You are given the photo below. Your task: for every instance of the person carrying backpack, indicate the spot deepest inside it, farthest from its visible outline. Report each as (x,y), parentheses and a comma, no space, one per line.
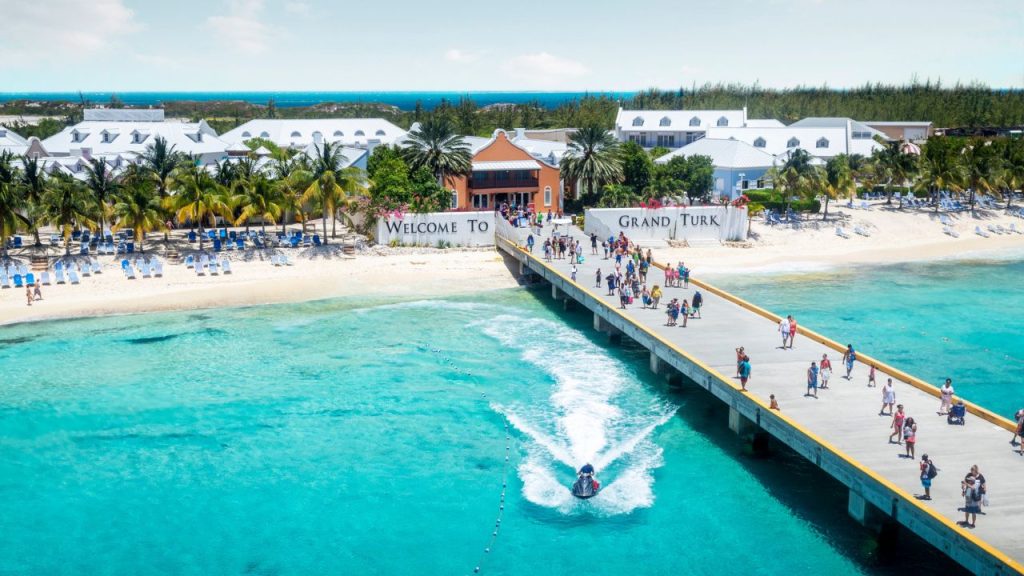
(972,500)
(928,472)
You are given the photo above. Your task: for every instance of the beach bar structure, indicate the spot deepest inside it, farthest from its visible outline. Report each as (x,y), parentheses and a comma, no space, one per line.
(841,432)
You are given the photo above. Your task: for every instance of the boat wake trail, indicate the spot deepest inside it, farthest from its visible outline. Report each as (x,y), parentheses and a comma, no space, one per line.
(595,412)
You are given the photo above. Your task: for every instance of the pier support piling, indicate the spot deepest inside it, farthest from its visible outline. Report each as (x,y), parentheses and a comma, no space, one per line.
(739,423)
(555,292)
(656,363)
(864,512)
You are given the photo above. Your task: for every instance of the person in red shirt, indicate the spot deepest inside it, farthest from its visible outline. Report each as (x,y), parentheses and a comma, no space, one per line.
(792,330)
(826,370)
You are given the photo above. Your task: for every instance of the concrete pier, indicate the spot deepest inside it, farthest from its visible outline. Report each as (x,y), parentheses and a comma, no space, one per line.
(840,431)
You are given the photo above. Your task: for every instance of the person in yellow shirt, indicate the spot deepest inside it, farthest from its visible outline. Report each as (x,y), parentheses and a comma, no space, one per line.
(655,296)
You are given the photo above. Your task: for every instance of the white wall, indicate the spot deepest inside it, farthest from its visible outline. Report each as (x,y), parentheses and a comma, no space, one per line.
(456,228)
(676,223)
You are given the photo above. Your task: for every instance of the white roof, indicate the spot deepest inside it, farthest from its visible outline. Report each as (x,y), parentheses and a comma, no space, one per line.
(675,120)
(921,123)
(548,151)
(123,115)
(506,165)
(302,132)
(262,151)
(188,138)
(723,153)
(239,147)
(836,122)
(12,142)
(777,141)
(351,154)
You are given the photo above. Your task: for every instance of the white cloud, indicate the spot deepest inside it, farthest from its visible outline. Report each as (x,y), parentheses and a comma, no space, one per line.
(544,68)
(242,29)
(296,7)
(60,29)
(456,55)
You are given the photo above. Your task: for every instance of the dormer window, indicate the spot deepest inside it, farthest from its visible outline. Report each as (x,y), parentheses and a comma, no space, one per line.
(76,136)
(264,134)
(109,136)
(822,143)
(380,133)
(139,137)
(638,121)
(759,142)
(360,133)
(793,143)
(338,134)
(694,121)
(666,121)
(723,121)
(246,134)
(296,134)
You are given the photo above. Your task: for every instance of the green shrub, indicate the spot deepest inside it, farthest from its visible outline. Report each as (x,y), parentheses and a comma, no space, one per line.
(762,196)
(812,206)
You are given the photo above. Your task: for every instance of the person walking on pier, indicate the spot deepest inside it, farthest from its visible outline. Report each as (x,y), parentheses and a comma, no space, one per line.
(529,243)
(655,296)
(888,398)
(698,302)
(739,359)
(897,425)
(947,397)
(597,278)
(871,377)
(684,311)
(849,357)
(572,274)
(744,370)
(792,331)
(1019,432)
(825,370)
(611,284)
(812,380)
(910,436)
(784,330)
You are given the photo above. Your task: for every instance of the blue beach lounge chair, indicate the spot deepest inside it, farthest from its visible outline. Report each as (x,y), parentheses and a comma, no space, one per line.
(73,275)
(17,281)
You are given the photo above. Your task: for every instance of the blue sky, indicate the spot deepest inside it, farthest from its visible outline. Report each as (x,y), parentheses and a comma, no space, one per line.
(125,45)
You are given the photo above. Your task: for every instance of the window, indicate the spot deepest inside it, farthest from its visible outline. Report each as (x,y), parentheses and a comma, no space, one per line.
(759,142)
(296,134)
(380,133)
(643,140)
(822,143)
(246,134)
(338,133)
(264,135)
(792,143)
(108,137)
(638,121)
(480,201)
(455,200)
(360,133)
(318,136)
(634,138)
(667,140)
(723,121)
(138,138)
(665,121)
(694,121)
(547,195)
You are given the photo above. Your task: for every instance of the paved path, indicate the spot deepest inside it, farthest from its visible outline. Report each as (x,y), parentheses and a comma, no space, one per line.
(847,413)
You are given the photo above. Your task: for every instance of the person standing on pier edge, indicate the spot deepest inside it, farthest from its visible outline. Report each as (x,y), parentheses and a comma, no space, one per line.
(812,380)
(947,397)
(744,372)
(897,425)
(792,331)
(972,500)
(849,357)
(1019,433)
(529,243)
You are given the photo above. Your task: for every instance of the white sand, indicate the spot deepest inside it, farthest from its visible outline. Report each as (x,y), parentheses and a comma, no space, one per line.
(258,282)
(896,236)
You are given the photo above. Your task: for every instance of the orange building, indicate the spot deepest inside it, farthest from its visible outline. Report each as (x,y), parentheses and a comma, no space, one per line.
(505,172)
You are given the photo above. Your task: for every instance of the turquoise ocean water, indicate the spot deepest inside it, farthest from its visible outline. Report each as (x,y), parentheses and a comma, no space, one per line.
(958,319)
(355,437)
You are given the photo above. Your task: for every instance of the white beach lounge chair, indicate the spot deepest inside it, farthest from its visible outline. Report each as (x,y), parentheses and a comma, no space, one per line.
(841,233)
(862,231)
(200,266)
(225,265)
(213,266)
(980,232)
(158,268)
(147,272)
(73,275)
(1013,228)
(45,278)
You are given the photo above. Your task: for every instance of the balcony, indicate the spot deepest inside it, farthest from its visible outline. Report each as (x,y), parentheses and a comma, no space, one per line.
(504,179)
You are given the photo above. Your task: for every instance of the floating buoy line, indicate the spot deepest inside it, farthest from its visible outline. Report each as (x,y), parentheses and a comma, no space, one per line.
(504,470)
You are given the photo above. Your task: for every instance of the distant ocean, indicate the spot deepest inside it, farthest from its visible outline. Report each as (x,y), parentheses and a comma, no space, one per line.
(403,100)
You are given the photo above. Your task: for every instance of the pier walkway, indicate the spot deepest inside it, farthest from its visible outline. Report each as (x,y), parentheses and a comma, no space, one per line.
(840,431)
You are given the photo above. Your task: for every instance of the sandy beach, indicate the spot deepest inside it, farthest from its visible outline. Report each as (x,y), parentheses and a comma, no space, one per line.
(896,236)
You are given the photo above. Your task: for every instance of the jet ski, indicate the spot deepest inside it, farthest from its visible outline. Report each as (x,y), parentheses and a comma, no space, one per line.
(586,486)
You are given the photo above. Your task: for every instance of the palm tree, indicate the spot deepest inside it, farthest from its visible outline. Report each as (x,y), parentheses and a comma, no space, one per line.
(258,198)
(32,183)
(290,189)
(940,168)
(983,166)
(329,183)
(895,165)
(66,203)
(435,144)
(100,181)
(1013,166)
(160,162)
(592,157)
(198,198)
(796,177)
(618,196)
(837,181)
(11,217)
(137,207)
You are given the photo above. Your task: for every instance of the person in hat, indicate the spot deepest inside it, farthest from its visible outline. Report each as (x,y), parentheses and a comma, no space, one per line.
(926,477)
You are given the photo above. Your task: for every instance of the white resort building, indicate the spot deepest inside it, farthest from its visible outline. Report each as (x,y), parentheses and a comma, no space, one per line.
(112,132)
(677,128)
(363,133)
(738,165)
(12,142)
